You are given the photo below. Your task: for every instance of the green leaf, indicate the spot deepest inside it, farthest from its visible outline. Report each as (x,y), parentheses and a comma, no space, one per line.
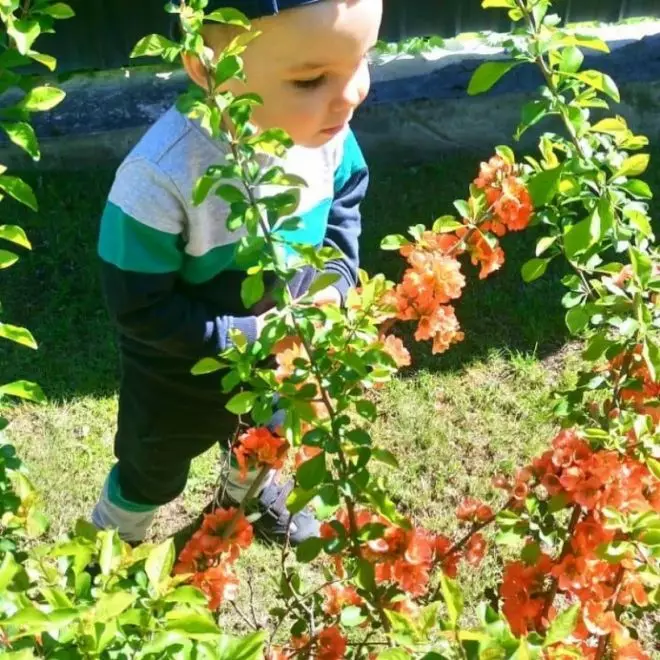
(352,617)
(586,41)
(534,269)
(563,626)
(453,598)
(46,60)
(192,624)
(231,194)
(186,594)
(241,403)
(601,82)
(8,570)
(577,320)
(19,190)
(159,563)
(229,16)
(641,264)
(571,59)
(634,166)
(24,32)
(309,550)
(227,69)
(41,99)
(7,259)
(651,538)
(446,224)
(611,126)
(18,335)
(651,354)
(385,456)
(654,466)
(112,605)
(543,186)
(15,234)
(323,281)
(58,10)
(250,647)
(299,498)
(24,390)
(578,238)
(252,289)
(400,654)
(22,134)
(110,552)
(30,619)
(153,45)
(487,75)
(207,366)
(503,4)
(394,242)
(367,410)
(312,472)
(544,244)
(162,641)
(638,189)
(202,189)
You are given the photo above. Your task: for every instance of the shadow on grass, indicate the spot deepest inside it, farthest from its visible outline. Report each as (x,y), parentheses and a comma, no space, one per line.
(54,290)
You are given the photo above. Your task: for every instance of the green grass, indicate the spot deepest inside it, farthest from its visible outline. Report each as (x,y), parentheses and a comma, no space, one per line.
(454,420)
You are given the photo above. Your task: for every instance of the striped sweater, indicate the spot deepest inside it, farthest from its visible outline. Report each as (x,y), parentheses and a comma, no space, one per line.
(168,269)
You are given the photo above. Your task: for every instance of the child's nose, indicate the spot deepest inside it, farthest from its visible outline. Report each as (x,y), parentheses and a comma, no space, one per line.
(355,91)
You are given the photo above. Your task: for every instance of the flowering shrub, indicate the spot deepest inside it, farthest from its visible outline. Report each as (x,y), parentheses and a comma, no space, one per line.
(583,519)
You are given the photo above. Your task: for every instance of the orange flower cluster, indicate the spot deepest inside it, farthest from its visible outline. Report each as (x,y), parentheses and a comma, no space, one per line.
(258,447)
(507,195)
(329,644)
(433,280)
(593,481)
(404,557)
(210,552)
(647,390)
(596,479)
(523,592)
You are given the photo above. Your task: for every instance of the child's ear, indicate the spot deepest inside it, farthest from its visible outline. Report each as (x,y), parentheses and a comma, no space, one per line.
(195,70)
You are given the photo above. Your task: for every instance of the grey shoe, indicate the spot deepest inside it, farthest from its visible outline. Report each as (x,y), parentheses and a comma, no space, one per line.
(275,519)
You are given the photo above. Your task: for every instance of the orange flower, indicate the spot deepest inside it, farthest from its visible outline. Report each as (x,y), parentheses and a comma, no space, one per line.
(471,510)
(338,596)
(523,593)
(514,206)
(331,644)
(491,171)
(396,349)
(211,540)
(601,621)
(258,447)
(448,560)
(218,583)
(489,257)
(278,653)
(476,550)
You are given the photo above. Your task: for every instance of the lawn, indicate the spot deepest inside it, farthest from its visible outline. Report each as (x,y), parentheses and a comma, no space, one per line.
(454,420)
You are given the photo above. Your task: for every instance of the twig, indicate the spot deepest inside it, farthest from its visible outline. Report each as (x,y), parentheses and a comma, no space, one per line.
(240,613)
(604,641)
(552,593)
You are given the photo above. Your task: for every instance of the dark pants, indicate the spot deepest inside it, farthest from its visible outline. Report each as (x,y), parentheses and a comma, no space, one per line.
(166,418)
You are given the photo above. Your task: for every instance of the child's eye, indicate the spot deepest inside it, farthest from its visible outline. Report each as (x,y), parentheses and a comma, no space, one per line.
(312,83)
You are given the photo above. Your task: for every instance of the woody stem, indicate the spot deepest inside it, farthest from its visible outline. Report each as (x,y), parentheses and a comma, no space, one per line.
(552,592)
(604,641)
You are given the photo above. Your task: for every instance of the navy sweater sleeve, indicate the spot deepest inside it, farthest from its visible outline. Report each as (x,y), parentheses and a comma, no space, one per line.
(345,220)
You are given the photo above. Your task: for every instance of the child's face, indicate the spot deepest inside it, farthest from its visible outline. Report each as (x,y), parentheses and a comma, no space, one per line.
(310,67)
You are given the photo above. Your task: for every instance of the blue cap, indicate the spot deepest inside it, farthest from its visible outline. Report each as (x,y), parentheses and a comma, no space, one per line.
(259,8)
